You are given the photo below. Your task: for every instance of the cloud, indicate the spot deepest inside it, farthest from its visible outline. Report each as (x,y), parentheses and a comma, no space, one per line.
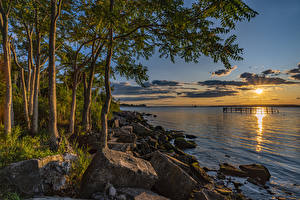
(222,83)
(271,72)
(275,99)
(295,70)
(125,88)
(247,75)
(298,98)
(255,79)
(150,98)
(165,83)
(210,94)
(223,72)
(296,77)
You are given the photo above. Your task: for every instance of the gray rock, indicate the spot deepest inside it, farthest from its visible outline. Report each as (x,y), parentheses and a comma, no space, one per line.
(118,168)
(141,130)
(141,194)
(173,182)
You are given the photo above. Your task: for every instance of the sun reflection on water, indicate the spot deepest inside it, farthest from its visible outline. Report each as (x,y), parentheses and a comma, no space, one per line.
(260,114)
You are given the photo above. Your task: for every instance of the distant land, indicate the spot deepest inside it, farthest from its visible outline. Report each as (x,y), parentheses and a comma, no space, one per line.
(252,105)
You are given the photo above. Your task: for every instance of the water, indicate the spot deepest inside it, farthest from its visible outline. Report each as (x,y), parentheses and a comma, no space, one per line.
(269,139)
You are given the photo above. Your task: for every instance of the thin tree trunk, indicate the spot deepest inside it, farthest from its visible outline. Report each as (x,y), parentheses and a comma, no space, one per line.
(35,117)
(54,137)
(73,106)
(25,98)
(32,72)
(7,72)
(108,97)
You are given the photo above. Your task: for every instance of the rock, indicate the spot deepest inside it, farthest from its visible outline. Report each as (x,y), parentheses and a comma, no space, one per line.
(127,138)
(32,177)
(173,182)
(144,148)
(200,173)
(224,191)
(127,128)
(118,168)
(181,143)
(53,198)
(118,146)
(230,170)
(159,128)
(206,194)
(175,134)
(188,136)
(152,142)
(140,194)
(141,130)
(257,172)
(184,157)
(112,192)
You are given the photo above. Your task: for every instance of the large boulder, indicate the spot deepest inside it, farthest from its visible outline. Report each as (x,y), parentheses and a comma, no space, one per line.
(173,182)
(256,171)
(118,168)
(37,176)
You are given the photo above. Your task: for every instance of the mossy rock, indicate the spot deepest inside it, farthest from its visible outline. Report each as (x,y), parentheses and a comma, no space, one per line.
(182,143)
(200,173)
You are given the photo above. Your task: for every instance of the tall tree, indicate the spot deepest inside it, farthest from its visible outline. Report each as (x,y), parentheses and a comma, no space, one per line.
(5,8)
(55,12)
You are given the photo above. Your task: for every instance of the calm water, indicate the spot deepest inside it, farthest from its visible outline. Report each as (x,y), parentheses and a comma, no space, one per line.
(269,139)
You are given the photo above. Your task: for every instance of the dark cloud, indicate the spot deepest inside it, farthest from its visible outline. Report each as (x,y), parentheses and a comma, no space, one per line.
(165,83)
(127,89)
(298,98)
(296,77)
(271,72)
(210,94)
(222,83)
(247,75)
(295,70)
(223,72)
(244,88)
(145,98)
(275,99)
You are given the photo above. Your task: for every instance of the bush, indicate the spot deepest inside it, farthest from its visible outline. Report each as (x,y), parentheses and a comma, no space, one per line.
(16,147)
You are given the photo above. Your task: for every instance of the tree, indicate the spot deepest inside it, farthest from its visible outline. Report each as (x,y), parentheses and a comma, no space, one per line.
(175,30)
(54,136)
(5,8)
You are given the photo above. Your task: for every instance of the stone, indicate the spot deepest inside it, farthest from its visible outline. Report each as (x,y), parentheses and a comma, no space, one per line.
(141,130)
(118,146)
(181,143)
(230,170)
(173,182)
(127,128)
(188,136)
(118,168)
(127,138)
(141,194)
(36,176)
(206,194)
(200,173)
(53,198)
(257,172)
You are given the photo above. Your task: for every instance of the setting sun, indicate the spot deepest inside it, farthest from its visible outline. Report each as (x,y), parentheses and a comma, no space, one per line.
(258,91)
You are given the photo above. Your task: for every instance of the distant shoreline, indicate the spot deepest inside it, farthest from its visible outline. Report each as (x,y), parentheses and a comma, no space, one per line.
(256,105)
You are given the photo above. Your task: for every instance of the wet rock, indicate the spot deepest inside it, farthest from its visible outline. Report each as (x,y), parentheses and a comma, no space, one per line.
(206,194)
(184,157)
(118,168)
(224,191)
(188,136)
(257,172)
(230,170)
(181,143)
(140,194)
(159,128)
(200,174)
(175,134)
(173,182)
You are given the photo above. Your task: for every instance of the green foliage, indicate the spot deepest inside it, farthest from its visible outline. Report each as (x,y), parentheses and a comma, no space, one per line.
(10,196)
(16,147)
(79,166)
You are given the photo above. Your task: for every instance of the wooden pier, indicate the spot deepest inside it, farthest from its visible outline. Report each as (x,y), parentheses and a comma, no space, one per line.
(254,110)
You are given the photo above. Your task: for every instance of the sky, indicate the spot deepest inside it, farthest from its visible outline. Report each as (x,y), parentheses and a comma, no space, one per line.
(271,43)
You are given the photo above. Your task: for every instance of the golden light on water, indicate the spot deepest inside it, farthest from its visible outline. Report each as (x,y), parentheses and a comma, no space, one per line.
(259,91)
(260,114)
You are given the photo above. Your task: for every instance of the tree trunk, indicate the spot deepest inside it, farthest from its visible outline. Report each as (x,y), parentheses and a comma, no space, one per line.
(7,74)
(35,117)
(108,97)
(25,98)
(54,137)
(73,106)
(32,73)
(87,98)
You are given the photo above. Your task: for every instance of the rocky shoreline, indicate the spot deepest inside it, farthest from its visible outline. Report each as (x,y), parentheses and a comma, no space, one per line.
(142,162)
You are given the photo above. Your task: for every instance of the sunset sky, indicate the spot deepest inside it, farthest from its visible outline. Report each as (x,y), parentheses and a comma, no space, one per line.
(271,43)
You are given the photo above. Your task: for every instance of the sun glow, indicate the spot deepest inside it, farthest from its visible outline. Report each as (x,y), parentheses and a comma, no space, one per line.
(260,114)
(259,91)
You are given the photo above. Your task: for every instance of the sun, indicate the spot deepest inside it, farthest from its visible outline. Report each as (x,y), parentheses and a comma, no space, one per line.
(259,91)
